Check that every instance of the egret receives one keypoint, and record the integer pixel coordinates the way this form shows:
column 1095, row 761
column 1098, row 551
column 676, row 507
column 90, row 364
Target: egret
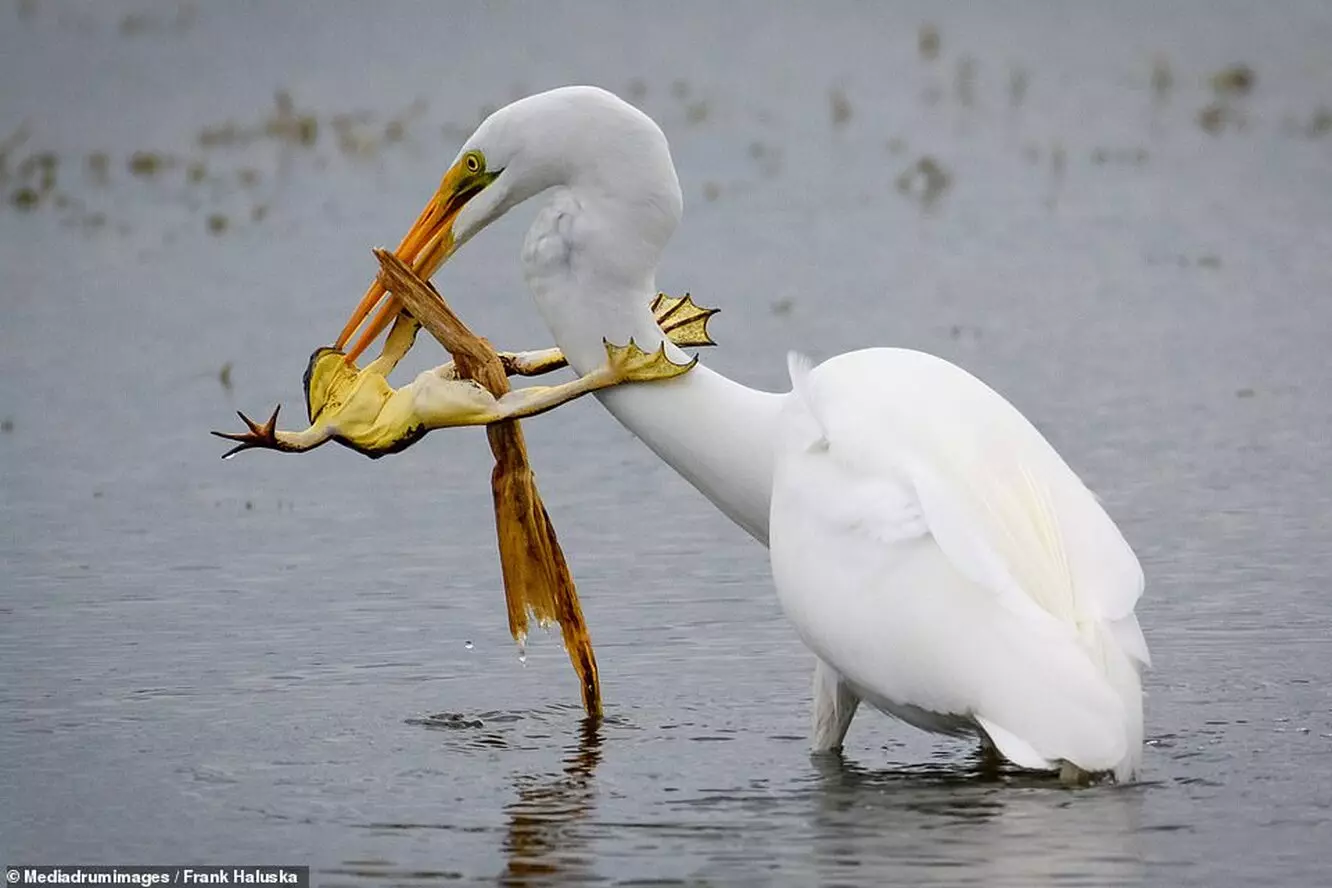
column 939, row 558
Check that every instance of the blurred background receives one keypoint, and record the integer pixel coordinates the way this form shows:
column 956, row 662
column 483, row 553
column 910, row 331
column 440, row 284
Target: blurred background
column 1117, row 214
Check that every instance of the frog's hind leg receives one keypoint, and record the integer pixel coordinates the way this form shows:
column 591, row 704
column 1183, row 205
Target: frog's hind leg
column 624, row 363
column 683, row 322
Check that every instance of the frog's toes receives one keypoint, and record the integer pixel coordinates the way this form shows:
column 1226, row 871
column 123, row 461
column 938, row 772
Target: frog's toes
column 682, row 320
column 631, row 364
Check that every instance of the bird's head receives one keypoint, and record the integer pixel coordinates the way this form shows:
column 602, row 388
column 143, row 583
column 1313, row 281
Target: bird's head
column 576, row 136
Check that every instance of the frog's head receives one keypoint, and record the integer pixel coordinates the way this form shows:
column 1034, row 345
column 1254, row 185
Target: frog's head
column 328, row 380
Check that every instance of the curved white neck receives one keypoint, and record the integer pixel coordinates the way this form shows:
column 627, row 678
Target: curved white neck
column 716, row 433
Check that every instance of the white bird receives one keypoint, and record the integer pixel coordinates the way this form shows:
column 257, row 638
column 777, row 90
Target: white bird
column 940, row 559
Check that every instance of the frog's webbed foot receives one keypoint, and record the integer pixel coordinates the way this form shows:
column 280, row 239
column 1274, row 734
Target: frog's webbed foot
column 685, row 323
column 629, row 363
column 267, row 436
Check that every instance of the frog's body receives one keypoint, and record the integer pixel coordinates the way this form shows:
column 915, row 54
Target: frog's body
column 360, row 409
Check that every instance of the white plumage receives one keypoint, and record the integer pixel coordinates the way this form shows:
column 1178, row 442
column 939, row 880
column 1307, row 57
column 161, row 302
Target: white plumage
column 965, row 577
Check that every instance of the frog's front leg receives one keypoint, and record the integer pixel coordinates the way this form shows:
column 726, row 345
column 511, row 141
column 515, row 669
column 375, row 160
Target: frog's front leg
column 268, row 436
column 399, row 342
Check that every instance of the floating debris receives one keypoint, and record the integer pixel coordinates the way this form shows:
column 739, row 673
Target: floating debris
column 10, row 143
column 285, row 125
column 217, row 223
column 1245, row 393
column 1018, row 80
column 680, row 90
column 1120, row 156
column 697, row 112
column 840, row 107
column 288, row 126
column 224, row 376
column 447, row 721
column 1237, row 80
column 6, row 425
column 1058, row 161
column 1319, row 124
column 926, row 180
column 769, row 160
column 896, row 145
column 358, row 135
column 958, row 331
column 136, row 23
column 41, row 167
column 711, row 191
column 220, row 135
column 146, row 163
column 927, row 42
column 1214, row 117
column 25, row 198
column 1163, row 80
column 782, row 307
column 1180, row 260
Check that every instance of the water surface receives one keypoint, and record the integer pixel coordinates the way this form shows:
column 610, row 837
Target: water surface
column 304, row 660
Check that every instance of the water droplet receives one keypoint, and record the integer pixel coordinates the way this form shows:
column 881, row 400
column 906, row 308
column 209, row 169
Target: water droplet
column 468, row 644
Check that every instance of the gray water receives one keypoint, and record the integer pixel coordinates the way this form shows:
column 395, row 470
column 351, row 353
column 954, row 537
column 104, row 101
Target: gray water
column 304, row 659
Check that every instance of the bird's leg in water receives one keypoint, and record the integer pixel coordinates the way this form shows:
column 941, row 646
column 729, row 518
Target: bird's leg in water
column 834, row 705
column 1072, row 776
column 991, row 761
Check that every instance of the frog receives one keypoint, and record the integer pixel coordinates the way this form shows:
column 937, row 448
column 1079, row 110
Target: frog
column 360, row 409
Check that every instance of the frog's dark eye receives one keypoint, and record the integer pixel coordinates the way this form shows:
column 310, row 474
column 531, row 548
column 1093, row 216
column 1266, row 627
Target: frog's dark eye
column 474, row 162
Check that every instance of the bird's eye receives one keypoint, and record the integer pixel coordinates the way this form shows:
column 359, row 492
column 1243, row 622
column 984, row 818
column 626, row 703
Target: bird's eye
column 474, row 162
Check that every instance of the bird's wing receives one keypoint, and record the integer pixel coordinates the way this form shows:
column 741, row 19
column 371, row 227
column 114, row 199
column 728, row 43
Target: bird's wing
column 939, row 452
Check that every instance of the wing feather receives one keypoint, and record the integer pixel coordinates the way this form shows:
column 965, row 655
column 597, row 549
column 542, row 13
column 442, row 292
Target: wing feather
column 1002, row 504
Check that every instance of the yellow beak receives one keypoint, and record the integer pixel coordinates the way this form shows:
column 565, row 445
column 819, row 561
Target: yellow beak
column 426, row 247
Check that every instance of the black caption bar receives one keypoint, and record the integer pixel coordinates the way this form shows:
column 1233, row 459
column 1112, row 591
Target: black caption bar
column 144, row 876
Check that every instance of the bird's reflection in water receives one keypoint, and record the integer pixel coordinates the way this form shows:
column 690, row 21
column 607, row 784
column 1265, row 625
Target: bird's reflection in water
column 543, row 840
column 964, row 823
